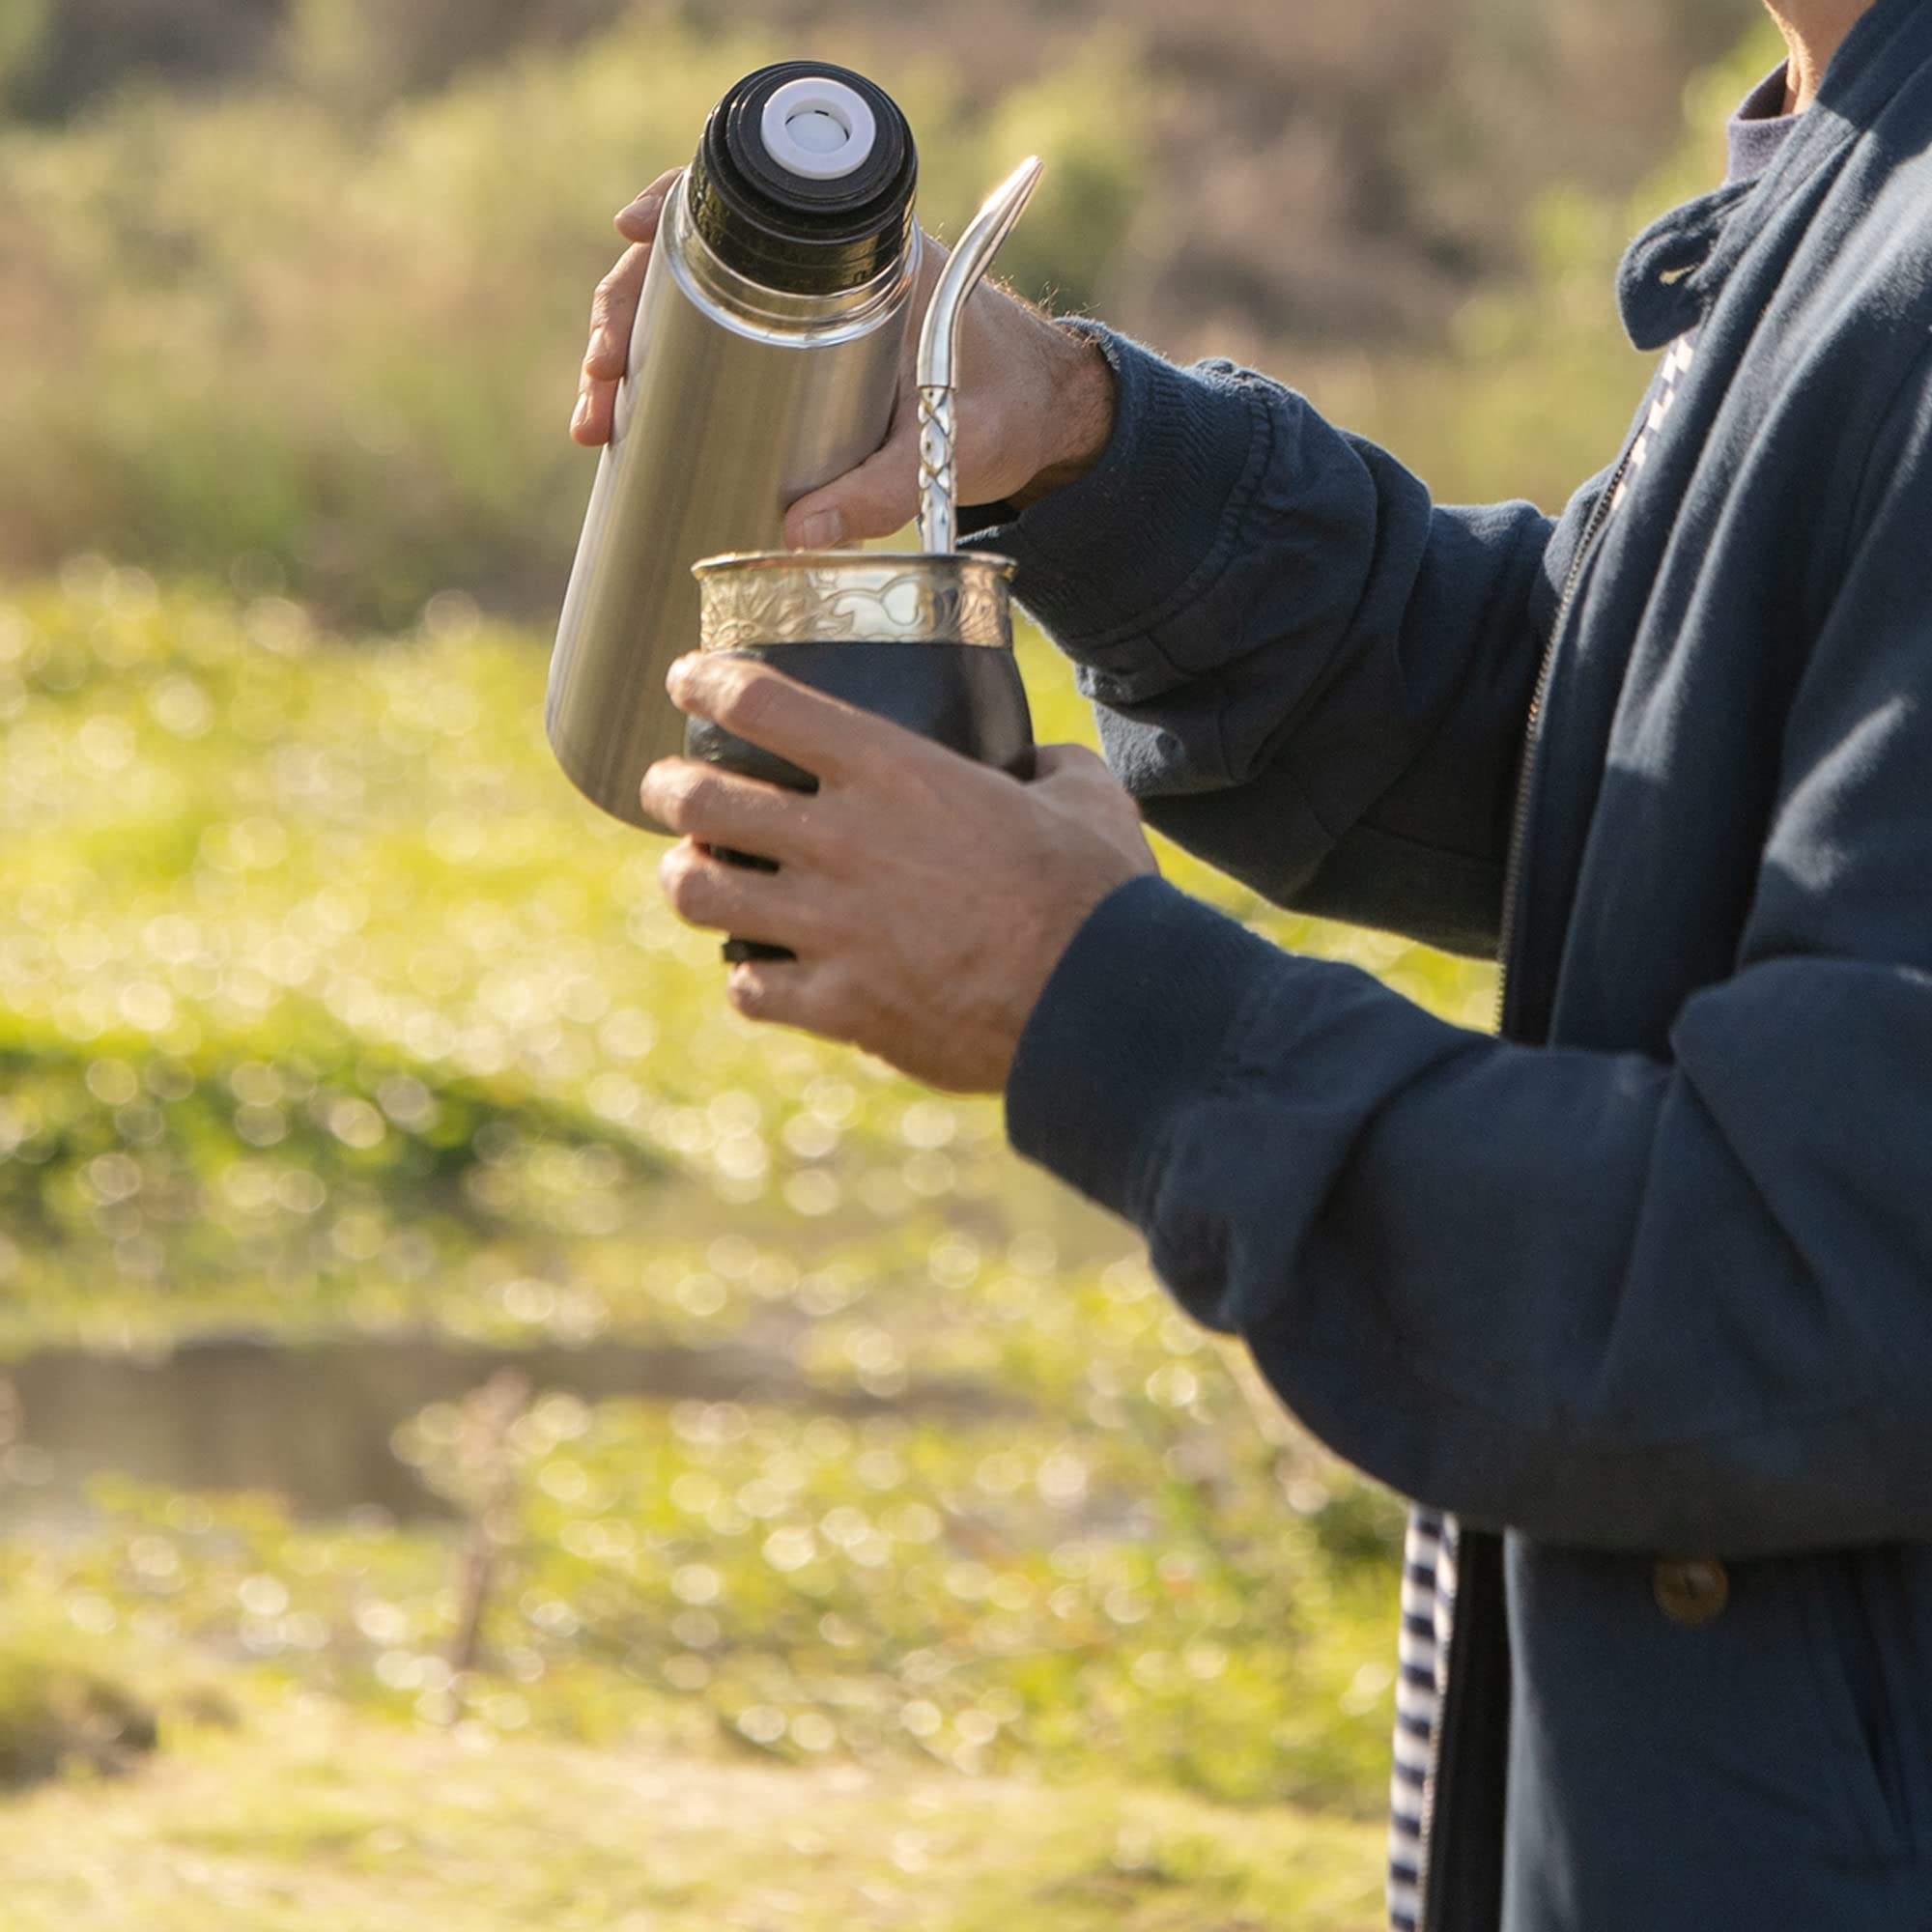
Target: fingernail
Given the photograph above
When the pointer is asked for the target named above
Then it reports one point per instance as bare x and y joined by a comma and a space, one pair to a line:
580, 414
823, 529
677, 678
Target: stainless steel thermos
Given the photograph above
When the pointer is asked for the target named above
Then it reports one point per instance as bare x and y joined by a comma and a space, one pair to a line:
763, 363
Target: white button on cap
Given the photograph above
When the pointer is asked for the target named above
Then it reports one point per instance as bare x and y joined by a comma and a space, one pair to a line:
821, 129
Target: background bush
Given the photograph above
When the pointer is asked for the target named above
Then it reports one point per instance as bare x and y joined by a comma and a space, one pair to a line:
314, 329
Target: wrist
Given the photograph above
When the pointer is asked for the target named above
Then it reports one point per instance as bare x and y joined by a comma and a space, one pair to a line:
1078, 421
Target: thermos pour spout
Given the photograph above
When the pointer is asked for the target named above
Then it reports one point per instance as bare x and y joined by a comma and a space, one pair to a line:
939, 355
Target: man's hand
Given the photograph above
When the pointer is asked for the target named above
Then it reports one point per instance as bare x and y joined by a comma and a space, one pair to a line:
613, 310
1037, 400
927, 898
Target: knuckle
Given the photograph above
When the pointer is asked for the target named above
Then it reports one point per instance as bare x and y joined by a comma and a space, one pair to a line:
613, 295
752, 992
705, 794
749, 699
690, 798
680, 874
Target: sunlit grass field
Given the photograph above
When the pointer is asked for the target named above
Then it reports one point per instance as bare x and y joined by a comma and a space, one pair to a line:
328, 1007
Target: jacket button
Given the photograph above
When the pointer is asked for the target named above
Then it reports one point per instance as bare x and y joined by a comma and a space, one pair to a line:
1690, 1592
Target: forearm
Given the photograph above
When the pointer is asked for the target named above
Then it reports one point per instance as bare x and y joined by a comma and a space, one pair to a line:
1282, 635
1613, 1301
1082, 379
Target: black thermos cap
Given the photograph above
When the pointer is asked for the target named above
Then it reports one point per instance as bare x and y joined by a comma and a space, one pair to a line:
790, 231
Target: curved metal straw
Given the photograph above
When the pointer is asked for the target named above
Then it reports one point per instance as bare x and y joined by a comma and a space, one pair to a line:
938, 354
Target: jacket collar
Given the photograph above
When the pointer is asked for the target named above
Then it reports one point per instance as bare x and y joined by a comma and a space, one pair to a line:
1677, 266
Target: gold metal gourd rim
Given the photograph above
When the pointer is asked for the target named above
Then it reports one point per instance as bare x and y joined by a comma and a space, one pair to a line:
886, 597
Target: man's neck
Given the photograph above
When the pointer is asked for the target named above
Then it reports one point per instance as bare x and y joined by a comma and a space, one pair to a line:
1813, 30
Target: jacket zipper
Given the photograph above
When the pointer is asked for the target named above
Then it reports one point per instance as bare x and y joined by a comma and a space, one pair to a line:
1515, 865
1513, 871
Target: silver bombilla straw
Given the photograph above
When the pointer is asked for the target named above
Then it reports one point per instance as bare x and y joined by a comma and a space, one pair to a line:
939, 355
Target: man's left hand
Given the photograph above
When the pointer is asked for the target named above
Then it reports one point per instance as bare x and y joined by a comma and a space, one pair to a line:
927, 898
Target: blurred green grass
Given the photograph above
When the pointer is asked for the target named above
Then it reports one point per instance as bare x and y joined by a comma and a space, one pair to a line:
304, 1819
331, 1005
326, 994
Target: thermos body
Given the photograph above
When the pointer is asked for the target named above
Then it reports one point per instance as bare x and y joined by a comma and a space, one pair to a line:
734, 410
743, 394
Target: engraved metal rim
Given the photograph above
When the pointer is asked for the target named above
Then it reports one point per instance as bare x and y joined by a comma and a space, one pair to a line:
853, 597
855, 562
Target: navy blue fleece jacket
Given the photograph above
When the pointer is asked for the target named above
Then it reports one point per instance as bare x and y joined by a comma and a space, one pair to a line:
1650, 1275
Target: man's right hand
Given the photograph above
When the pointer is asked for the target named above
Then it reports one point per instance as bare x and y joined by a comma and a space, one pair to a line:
1037, 400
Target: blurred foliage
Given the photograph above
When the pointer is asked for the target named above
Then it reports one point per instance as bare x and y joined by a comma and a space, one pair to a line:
61, 1714
56, 57
336, 352
324, 993
1541, 380
1128, 1590
317, 333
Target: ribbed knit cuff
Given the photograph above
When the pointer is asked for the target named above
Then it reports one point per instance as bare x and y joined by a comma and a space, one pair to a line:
1132, 1025
1100, 557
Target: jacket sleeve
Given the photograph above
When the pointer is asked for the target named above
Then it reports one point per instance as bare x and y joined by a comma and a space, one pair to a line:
1308, 674
1624, 1302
